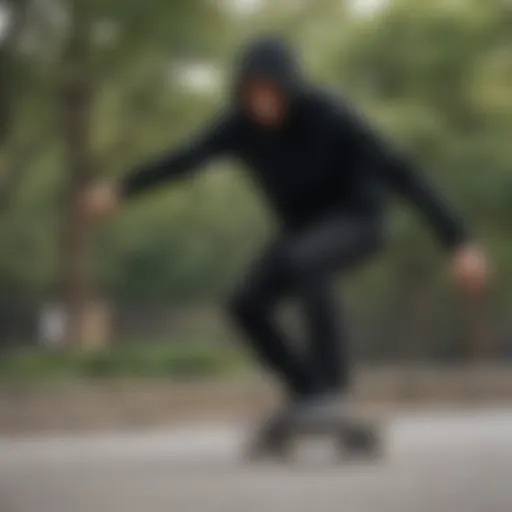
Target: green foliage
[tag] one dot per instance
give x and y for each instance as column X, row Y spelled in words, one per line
column 436, row 75
column 177, row 361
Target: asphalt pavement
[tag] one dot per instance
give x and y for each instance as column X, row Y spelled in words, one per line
column 444, row 461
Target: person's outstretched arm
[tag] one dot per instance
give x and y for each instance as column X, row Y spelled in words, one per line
column 393, row 170
column 217, row 138
column 386, row 165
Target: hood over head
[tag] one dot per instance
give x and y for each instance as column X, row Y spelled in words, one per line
column 272, row 59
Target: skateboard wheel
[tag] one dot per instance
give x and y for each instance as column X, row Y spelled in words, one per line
column 360, row 441
column 270, row 445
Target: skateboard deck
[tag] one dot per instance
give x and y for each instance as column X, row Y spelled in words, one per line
column 354, row 436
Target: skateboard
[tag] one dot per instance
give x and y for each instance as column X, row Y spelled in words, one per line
column 354, row 438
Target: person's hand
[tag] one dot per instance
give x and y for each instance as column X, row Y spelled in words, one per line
column 101, row 200
column 470, row 269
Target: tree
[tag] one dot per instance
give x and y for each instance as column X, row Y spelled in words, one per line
column 154, row 30
column 104, row 69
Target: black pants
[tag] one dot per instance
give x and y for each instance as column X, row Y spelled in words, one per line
column 302, row 263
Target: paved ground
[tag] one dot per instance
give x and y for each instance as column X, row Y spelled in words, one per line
column 437, row 462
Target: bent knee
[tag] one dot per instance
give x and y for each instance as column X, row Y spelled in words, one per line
column 244, row 306
column 300, row 269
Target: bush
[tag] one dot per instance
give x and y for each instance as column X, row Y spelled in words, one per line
column 141, row 360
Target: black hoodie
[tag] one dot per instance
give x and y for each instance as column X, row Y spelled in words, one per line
column 323, row 159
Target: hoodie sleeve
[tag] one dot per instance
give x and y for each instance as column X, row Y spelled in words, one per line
column 216, row 139
column 396, row 172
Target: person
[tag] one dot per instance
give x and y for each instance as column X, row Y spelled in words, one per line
column 325, row 174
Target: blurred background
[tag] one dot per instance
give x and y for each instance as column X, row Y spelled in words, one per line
column 90, row 88
column 118, row 330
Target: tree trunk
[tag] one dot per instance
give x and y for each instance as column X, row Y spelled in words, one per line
column 77, row 99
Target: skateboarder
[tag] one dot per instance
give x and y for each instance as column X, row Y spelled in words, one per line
column 324, row 173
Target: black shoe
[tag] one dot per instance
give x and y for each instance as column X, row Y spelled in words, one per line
column 320, row 408
column 301, row 412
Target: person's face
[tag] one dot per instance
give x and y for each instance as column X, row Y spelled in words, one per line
column 264, row 102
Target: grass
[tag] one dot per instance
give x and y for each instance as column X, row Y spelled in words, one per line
column 178, row 361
